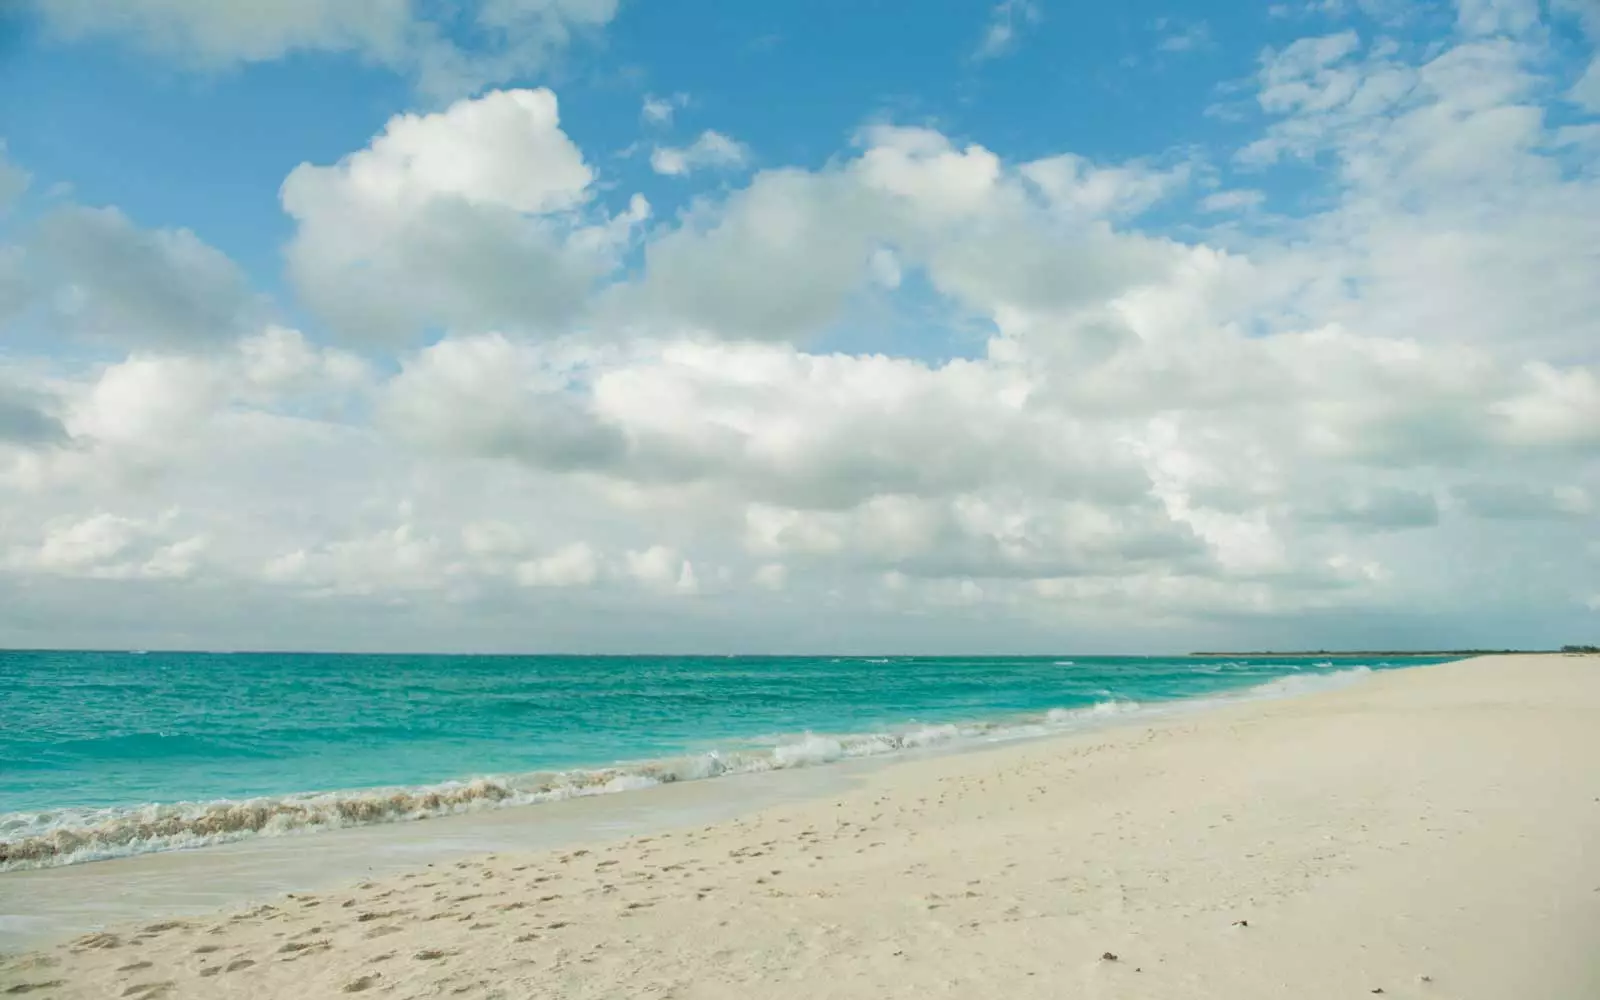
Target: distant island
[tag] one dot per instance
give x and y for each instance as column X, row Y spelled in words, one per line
column 1408, row 652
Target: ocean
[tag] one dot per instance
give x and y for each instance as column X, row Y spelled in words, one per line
column 106, row 754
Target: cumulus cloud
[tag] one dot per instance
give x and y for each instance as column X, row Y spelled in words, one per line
column 712, row 150
column 1072, row 184
column 662, row 568
column 107, row 279
column 763, row 421
column 491, row 397
column 469, row 218
column 574, row 565
column 108, row 547
column 25, row 416
column 117, row 430
column 397, row 559
column 781, row 258
column 1187, row 429
column 508, row 38
column 1490, row 17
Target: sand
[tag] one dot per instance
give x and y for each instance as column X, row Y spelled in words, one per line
column 1433, row 832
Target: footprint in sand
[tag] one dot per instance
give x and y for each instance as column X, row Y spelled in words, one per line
column 148, row 990
column 238, row 963
column 134, row 966
column 429, row 955
column 366, row 982
column 298, row 946
column 30, row 987
column 362, row 918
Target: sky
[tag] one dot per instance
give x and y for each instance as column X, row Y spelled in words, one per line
column 627, row 326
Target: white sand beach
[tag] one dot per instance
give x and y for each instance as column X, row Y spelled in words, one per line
column 1432, row 832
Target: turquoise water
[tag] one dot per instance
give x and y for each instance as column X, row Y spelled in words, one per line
column 103, row 754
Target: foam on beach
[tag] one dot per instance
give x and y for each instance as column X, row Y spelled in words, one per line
column 70, row 836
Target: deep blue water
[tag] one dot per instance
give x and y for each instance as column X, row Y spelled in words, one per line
column 80, row 730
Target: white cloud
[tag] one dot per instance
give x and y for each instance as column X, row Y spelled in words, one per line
column 503, row 150
column 662, row 568
column 1489, row 17
column 396, row 559
column 660, row 110
column 26, row 416
column 1190, row 430
column 470, row 218
column 108, row 547
column 782, row 257
column 1006, row 21
column 278, row 359
column 712, row 150
column 1235, row 200
column 575, row 565
column 109, row 280
column 1074, row 185
column 116, row 431
column 509, row 38
column 489, row 396
column 147, row 403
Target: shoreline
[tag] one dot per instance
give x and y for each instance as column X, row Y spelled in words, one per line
column 98, row 834
column 255, row 867
column 1325, row 845
column 1325, row 654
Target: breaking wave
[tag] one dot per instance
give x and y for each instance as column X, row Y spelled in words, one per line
column 69, row 836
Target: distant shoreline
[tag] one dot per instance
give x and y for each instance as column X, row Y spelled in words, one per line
column 1307, row 654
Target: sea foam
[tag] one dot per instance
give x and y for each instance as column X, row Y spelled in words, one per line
column 69, row 836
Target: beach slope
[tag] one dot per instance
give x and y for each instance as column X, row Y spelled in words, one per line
column 1431, row 832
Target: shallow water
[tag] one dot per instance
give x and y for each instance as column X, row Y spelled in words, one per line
column 106, row 755
column 42, row 905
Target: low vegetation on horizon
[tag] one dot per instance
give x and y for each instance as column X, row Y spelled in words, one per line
column 1405, row 652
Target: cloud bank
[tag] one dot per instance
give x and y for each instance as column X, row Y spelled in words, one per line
column 527, row 413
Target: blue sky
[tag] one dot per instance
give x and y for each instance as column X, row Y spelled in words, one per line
column 173, row 147
column 1041, row 322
